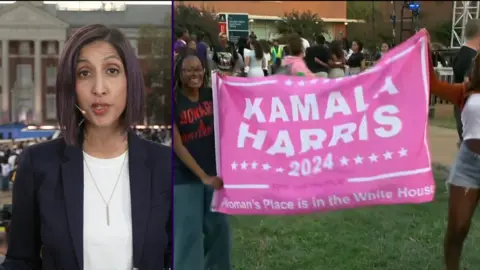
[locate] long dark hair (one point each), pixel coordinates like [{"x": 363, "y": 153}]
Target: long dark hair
[
  {"x": 241, "y": 44},
  {"x": 257, "y": 47},
  {"x": 336, "y": 48},
  {"x": 177, "y": 70}
]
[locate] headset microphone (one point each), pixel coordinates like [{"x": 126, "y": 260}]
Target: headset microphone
[{"x": 82, "y": 111}]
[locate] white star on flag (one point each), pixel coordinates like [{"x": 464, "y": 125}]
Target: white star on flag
[
  {"x": 344, "y": 161},
  {"x": 314, "y": 81},
  {"x": 326, "y": 81},
  {"x": 402, "y": 152},
  {"x": 301, "y": 83},
  {"x": 266, "y": 167},
  {"x": 387, "y": 155},
  {"x": 244, "y": 165},
  {"x": 254, "y": 165},
  {"x": 373, "y": 158},
  {"x": 358, "y": 159},
  {"x": 279, "y": 170},
  {"x": 288, "y": 82},
  {"x": 234, "y": 165}
]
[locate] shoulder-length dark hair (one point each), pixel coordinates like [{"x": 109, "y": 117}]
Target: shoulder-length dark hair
[
  {"x": 359, "y": 44},
  {"x": 68, "y": 116}
]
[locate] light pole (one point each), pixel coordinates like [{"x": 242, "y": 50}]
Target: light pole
[
  {"x": 373, "y": 19},
  {"x": 393, "y": 17}
]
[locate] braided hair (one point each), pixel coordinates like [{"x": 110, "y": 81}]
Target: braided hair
[{"x": 177, "y": 69}]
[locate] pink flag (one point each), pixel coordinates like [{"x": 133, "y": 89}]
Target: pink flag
[{"x": 296, "y": 145}]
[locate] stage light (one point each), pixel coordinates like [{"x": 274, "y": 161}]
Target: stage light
[{"x": 414, "y": 7}]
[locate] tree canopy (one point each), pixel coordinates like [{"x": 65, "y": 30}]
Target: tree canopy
[
  {"x": 308, "y": 24},
  {"x": 196, "y": 20},
  {"x": 158, "y": 75}
]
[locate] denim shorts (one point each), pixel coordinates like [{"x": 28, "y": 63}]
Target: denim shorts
[{"x": 466, "y": 170}]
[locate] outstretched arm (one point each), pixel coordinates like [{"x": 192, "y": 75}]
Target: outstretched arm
[{"x": 454, "y": 93}]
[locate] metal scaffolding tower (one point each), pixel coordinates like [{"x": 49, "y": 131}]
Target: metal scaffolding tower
[{"x": 462, "y": 12}]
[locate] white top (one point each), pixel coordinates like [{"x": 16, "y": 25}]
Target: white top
[
  {"x": 255, "y": 68},
  {"x": 267, "y": 57},
  {"x": 107, "y": 247},
  {"x": 6, "y": 169},
  {"x": 11, "y": 160},
  {"x": 305, "y": 44},
  {"x": 471, "y": 118}
]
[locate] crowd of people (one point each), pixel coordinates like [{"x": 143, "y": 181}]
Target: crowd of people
[
  {"x": 195, "y": 151},
  {"x": 9, "y": 152},
  {"x": 251, "y": 57},
  {"x": 201, "y": 236},
  {"x": 162, "y": 135}
]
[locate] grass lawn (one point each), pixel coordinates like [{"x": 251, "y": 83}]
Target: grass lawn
[
  {"x": 443, "y": 116},
  {"x": 404, "y": 237},
  {"x": 445, "y": 122}
]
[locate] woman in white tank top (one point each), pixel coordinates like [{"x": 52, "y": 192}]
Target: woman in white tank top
[
  {"x": 254, "y": 60},
  {"x": 464, "y": 179}
]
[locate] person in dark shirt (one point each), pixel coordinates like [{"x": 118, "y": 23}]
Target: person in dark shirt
[
  {"x": 225, "y": 55},
  {"x": 356, "y": 61},
  {"x": 462, "y": 63},
  {"x": 317, "y": 58},
  {"x": 202, "y": 238}
]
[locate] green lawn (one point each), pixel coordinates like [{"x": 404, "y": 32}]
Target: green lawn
[
  {"x": 443, "y": 116},
  {"x": 405, "y": 237},
  {"x": 445, "y": 122}
]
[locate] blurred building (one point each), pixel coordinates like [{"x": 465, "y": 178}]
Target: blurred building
[
  {"x": 263, "y": 14},
  {"x": 33, "y": 34}
]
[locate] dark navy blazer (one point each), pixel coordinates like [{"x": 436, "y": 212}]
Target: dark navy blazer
[{"x": 46, "y": 231}]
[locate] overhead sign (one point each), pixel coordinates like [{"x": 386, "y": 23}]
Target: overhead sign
[{"x": 235, "y": 25}]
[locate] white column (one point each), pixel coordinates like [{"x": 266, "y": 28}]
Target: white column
[
  {"x": 5, "y": 79},
  {"x": 61, "y": 45},
  {"x": 38, "y": 82}
]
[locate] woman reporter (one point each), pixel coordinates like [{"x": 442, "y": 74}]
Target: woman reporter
[
  {"x": 100, "y": 196},
  {"x": 202, "y": 238}
]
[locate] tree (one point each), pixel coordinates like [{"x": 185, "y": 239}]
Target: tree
[
  {"x": 158, "y": 75},
  {"x": 197, "y": 20},
  {"x": 442, "y": 32},
  {"x": 307, "y": 23},
  {"x": 373, "y": 30},
  {"x": 363, "y": 10}
]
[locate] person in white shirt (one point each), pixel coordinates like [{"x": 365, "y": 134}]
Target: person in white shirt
[
  {"x": 5, "y": 173},
  {"x": 254, "y": 60},
  {"x": 99, "y": 197},
  {"x": 305, "y": 42}
]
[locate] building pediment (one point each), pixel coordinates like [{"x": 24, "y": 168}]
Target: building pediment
[{"x": 23, "y": 14}]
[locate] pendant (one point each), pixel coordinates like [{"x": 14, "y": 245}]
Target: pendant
[{"x": 108, "y": 216}]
